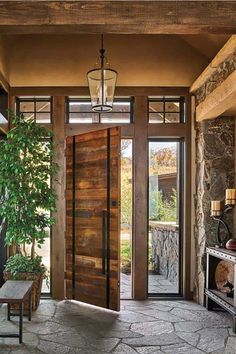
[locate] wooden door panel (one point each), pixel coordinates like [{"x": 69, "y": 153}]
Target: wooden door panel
[{"x": 92, "y": 203}]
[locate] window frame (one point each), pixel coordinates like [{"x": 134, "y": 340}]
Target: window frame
[
  {"x": 34, "y": 100},
  {"x": 163, "y": 99},
  {"x": 69, "y": 99}
]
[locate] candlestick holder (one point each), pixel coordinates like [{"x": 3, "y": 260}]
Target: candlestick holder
[
  {"x": 222, "y": 240},
  {"x": 218, "y": 213}
]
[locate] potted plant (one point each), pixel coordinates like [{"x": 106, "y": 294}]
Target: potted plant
[{"x": 26, "y": 198}]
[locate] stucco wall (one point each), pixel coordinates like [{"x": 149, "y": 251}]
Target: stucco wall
[{"x": 141, "y": 60}]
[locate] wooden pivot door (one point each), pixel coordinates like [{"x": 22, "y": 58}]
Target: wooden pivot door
[{"x": 93, "y": 218}]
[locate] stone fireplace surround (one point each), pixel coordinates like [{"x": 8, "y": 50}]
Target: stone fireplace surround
[{"x": 215, "y": 171}]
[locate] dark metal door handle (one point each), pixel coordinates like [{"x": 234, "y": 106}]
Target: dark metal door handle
[{"x": 104, "y": 240}]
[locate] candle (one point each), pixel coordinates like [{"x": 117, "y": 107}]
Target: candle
[
  {"x": 215, "y": 208},
  {"x": 230, "y": 196}
]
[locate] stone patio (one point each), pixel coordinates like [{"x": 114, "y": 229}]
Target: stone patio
[
  {"x": 157, "y": 285},
  {"x": 140, "y": 327}
]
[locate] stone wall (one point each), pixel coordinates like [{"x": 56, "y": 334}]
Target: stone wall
[
  {"x": 165, "y": 250},
  {"x": 216, "y": 78},
  {"x": 215, "y": 141}
]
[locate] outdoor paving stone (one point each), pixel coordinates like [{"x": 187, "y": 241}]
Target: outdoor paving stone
[
  {"x": 130, "y": 316},
  {"x": 53, "y": 348},
  {"x": 67, "y": 320},
  {"x": 106, "y": 344},
  {"x": 48, "y": 327},
  {"x": 141, "y": 327},
  {"x": 136, "y": 304},
  {"x": 161, "y": 306},
  {"x": 161, "y": 339},
  {"x": 189, "y": 305},
  {"x": 188, "y": 326},
  {"x": 206, "y": 317},
  {"x": 182, "y": 348},
  {"x": 86, "y": 351},
  {"x": 212, "y": 339},
  {"x": 190, "y": 338},
  {"x": 231, "y": 332},
  {"x": 231, "y": 345},
  {"x": 149, "y": 350},
  {"x": 46, "y": 308},
  {"x": 4, "y": 349},
  {"x": 24, "y": 350},
  {"x": 152, "y": 328},
  {"x": 9, "y": 327},
  {"x": 120, "y": 334},
  {"x": 124, "y": 348},
  {"x": 114, "y": 326},
  {"x": 221, "y": 351},
  {"x": 164, "y": 316},
  {"x": 71, "y": 339}
]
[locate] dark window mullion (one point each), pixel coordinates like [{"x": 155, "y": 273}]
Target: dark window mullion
[
  {"x": 35, "y": 109},
  {"x": 164, "y": 110}
]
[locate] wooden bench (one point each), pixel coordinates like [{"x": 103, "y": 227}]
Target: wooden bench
[{"x": 16, "y": 292}]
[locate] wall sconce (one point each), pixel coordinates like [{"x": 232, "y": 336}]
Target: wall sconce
[
  {"x": 230, "y": 196},
  {"x": 218, "y": 211}
]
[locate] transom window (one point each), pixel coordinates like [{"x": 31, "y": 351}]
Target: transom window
[
  {"x": 38, "y": 108},
  {"x": 166, "y": 109},
  {"x": 79, "y": 110}
]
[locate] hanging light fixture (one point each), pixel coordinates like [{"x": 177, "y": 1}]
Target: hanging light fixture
[{"x": 102, "y": 82}]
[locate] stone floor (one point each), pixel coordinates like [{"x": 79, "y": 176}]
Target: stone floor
[
  {"x": 157, "y": 285},
  {"x": 172, "y": 327}
]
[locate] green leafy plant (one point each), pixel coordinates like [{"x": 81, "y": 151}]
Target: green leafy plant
[
  {"x": 23, "y": 264},
  {"x": 126, "y": 256},
  {"x": 26, "y": 197},
  {"x": 160, "y": 209}
]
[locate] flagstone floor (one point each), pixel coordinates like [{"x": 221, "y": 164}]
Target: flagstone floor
[{"x": 172, "y": 327}]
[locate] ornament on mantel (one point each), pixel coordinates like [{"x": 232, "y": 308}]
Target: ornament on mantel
[{"x": 231, "y": 244}]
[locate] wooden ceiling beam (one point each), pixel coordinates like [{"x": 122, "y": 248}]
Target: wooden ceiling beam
[
  {"x": 218, "y": 101},
  {"x": 227, "y": 50},
  {"x": 127, "y": 17}
]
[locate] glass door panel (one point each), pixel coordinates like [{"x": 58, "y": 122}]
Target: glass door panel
[
  {"x": 126, "y": 219},
  {"x": 164, "y": 239}
]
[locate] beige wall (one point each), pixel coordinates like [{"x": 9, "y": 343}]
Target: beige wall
[{"x": 142, "y": 60}]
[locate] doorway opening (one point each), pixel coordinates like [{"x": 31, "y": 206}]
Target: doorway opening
[
  {"x": 126, "y": 218},
  {"x": 165, "y": 217}
]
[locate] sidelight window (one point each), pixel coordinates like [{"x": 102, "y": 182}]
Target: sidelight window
[{"x": 165, "y": 216}]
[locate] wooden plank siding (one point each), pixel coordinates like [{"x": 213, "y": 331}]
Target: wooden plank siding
[{"x": 139, "y": 131}]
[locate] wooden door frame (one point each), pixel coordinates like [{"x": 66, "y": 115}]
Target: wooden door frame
[{"x": 140, "y": 131}]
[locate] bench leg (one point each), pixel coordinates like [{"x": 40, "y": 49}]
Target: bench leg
[
  {"x": 209, "y": 303},
  {"x": 8, "y": 312},
  {"x": 234, "y": 323},
  {"x": 21, "y": 323},
  {"x": 30, "y": 306}
]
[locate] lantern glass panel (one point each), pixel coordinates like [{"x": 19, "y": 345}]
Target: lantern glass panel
[{"x": 102, "y": 84}]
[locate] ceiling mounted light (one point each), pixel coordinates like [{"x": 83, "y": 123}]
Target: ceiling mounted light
[{"x": 102, "y": 83}]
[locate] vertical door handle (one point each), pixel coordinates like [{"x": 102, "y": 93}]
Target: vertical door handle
[{"x": 104, "y": 240}]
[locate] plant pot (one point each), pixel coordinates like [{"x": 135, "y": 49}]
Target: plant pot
[{"x": 36, "y": 290}]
